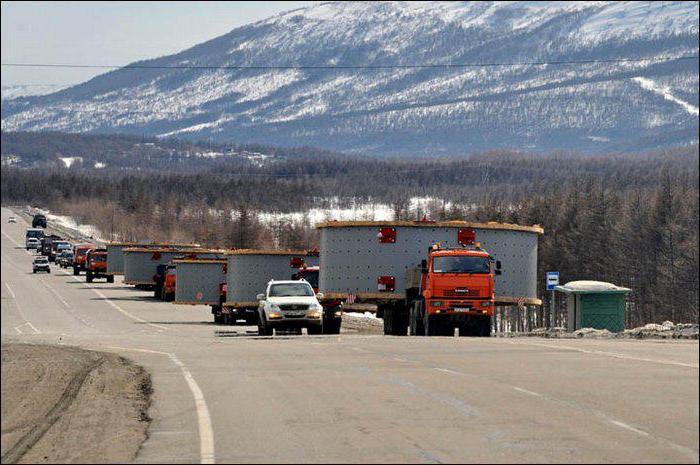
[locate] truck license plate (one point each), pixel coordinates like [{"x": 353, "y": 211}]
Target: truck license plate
[{"x": 461, "y": 309}]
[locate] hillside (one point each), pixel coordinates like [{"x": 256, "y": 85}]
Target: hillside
[{"x": 594, "y": 107}]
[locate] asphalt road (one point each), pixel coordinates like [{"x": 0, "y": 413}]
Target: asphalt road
[{"x": 221, "y": 394}]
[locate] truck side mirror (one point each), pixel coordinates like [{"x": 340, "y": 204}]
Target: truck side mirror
[
  {"x": 319, "y": 296},
  {"x": 497, "y": 272},
  {"x": 498, "y": 264},
  {"x": 261, "y": 297},
  {"x": 424, "y": 266}
]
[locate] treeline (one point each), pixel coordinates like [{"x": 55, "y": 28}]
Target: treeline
[{"x": 631, "y": 219}]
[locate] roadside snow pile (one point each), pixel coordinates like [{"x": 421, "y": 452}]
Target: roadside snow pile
[{"x": 665, "y": 330}]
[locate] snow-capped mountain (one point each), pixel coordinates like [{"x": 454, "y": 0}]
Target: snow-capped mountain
[{"x": 596, "y": 106}]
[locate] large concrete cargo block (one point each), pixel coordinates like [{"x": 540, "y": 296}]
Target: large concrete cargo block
[
  {"x": 249, "y": 271},
  {"x": 198, "y": 282},
  {"x": 115, "y": 252},
  {"x": 141, "y": 263},
  {"x": 354, "y": 256}
]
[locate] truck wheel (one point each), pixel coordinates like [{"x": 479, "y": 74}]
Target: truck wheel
[
  {"x": 388, "y": 314},
  {"x": 88, "y": 277},
  {"x": 76, "y": 271},
  {"x": 415, "y": 323},
  {"x": 110, "y": 279},
  {"x": 156, "y": 293},
  {"x": 485, "y": 327},
  {"x": 332, "y": 326},
  {"x": 314, "y": 330},
  {"x": 263, "y": 329},
  {"x": 432, "y": 325},
  {"x": 169, "y": 297}
]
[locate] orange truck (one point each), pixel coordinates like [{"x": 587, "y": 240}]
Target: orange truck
[
  {"x": 452, "y": 288},
  {"x": 96, "y": 266},
  {"x": 79, "y": 257}
]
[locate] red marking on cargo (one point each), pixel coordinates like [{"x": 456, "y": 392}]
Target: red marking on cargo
[
  {"x": 466, "y": 236},
  {"x": 155, "y": 256},
  {"x": 296, "y": 262},
  {"x": 198, "y": 296},
  {"x": 386, "y": 283},
  {"x": 386, "y": 235}
]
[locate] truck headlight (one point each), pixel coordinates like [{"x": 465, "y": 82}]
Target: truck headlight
[{"x": 436, "y": 303}]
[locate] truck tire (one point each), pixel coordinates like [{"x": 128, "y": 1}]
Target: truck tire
[
  {"x": 332, "y": 326},
  {"x": 484, "y": 327},
  {"x": 110, "y": 278},
  {"x": 88, "y": 277},
  {"x": 263, "y": 329},
  {"x": 388, "y": 314},
  {"x": 415, "y": 323},
  {"x": 432, "y": 326},
  {"x": 314, "y": 330},
  {"x": 76, "y": 271}
]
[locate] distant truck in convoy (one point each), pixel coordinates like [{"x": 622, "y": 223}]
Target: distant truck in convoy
[
  {"x": 33, "y": 233},
  {"x": 39, "y": 221},
  {"x": 47, "y": 244},
  {"x": 428, "y": 278},
  {"x": 55, "y": 245},
  {"x": 96, "y": 267},
  {"x": 80, "y": 257},
  {"x": 115, "y": 252}
]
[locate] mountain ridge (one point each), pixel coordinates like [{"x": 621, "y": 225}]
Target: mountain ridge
[{"x": 591, "y": 107}]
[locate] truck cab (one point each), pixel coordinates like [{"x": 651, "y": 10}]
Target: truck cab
[
  {"x": 97, "y": 265},
  {"x": 453, "y": 288},
  {"x": 39, "y": 221},
  {"x": 79, "y": 257}
]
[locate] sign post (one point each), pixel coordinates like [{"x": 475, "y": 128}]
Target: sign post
[{"x": 552, "y": 282}]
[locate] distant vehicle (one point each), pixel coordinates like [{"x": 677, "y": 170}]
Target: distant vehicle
[
  {"x": 39, "y": 221},
  {"x": 79, "y": 255},
  {"x": 289, "y": 305},
  {"x": 65, "y": 258},
  {"x": 56, "y": 247},
  {"x": 41, "y": 263},
  {"x": 47, "y": 243},
  {"x": 12, "y": 219},
  {"x": 33, "y": 233},
  {"x": 32, "y": 243},
  {"x": 97, "y": 266}
]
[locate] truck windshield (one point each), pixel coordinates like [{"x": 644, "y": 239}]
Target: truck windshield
[
  {"x": 311, "y": 277},
  {"x": 456, "y": 264},
  {"x": 36, "y": 233},
  {"x": 291, "y": 290}
]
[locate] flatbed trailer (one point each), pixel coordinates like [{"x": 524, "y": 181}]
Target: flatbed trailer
[
  {"x": 388, "y": 264},
  {"x": 201, "y": 282},
  {"x": 141, "y": 263},
  {"x": 249, "y": 271},
  {"x": 115, "y": 252}
]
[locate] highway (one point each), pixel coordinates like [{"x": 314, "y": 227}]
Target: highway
[{"x": 222, "y": 394}]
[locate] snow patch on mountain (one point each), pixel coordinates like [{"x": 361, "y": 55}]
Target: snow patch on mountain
[{"x": 665, "y": 92}]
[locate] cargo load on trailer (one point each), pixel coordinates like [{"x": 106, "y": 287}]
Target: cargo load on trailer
[
  {"x": 141, "y": 263},
  {"x": 248, "y": 273},
  {"x": 430, "y": 277},
  {"x": 115, "y": 252},
  {"x": 201, "y": 282}
]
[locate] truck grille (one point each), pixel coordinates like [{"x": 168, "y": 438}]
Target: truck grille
[
  {"x": 461, "y": 293},
  {"x": 293, "y": 307}
]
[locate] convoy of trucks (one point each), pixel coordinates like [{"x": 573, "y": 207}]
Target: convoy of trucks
[{"x": 425, "y": 278}]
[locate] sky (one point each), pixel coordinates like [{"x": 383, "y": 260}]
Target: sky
[{"x": 112, "y": 33}]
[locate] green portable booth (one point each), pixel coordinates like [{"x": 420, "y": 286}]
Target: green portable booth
[{"x": 594, "y": 304}]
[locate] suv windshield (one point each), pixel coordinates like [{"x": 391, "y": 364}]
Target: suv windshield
[
  {"x": 291, "y": 290},
  {"x": 456, "y": 264},
  {"x": 41, "y": 259}
]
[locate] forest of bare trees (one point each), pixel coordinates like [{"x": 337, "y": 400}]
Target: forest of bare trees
[{"x": 630, "y": 219}]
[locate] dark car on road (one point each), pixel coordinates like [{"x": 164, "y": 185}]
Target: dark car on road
[{"x": 39, "y": 221}]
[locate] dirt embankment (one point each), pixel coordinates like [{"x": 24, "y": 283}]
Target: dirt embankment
[{"x": 63, "y": 404}]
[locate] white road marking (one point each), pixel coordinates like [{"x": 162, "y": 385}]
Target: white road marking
[
  {"x": 628, "y": 427},
  {"x": 11, "y": 240},
  {"x": 398, "y": 359},
  {"x": 206, "y": 431},
  {"x": 611, "y": 354},
  {"x": 445, "y": 370},
  {"x": 54, "y": 292},
  {"x": 525, "y": 391},
  {"x": 26, "y": 323},
  {"x": 19, "y": 331},
  {"x": 118, "y": 308},
  {"x": 10, "y": 290}
]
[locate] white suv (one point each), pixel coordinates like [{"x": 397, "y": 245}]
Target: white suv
[{"x": 289, "y": 305}]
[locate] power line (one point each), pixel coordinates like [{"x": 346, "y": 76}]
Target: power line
[{"x": 331, "y": 67}]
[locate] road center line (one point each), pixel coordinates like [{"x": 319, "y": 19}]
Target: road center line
[
  {"x": 118, "y": 308},
  {"x": 11, "y": 240},
  {"x": 54, "y": 292},
  {"x": 206, "y": 431},
  {"x": 525, "y": 391}
]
